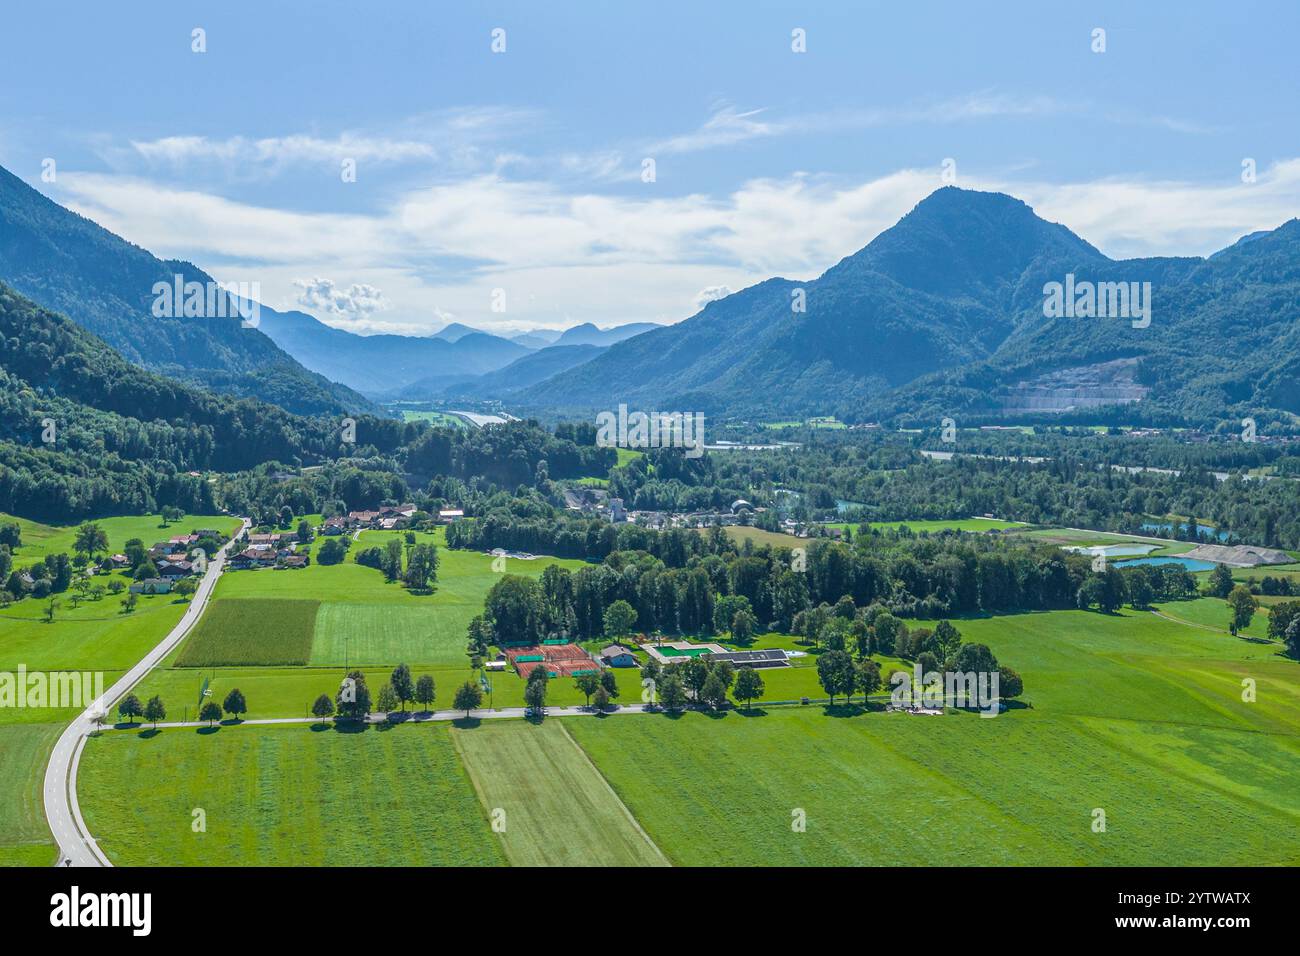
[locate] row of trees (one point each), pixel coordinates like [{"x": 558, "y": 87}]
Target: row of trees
[{"x": 129, "y": 709}]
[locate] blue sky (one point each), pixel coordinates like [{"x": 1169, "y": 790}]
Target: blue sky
[{"x": 522, "y": 171}]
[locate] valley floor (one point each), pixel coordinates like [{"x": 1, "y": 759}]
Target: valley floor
[{"x": 1137, "y": 719}]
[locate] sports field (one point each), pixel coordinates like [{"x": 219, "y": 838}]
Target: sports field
[
  {"x": 552, "y": 806},
  {"x": 284, "y": 796}
]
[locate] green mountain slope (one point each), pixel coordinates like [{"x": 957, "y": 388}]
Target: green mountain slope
[
  {"x": 943, "y": 315},
  {"x": 85, "y": 432},
  {"x": 105, "y": 284}
]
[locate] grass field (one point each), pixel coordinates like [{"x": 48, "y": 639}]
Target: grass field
[
  {"x": 285, "y": 796},
  {"x": 369, "y": 621},
  {"x": 234, "y": 632},
  {"x": 386, "y": 634},
  {"x": 42, "y": 539},
  {"x": 554, "y": 806},
  {"x": 24, "y": 836},
  {"x": 932, "y": 526},
  {"x": 1214, "y": 613},
  {"x": 760, "y": 537},
  {"x": 900, "y": 790},
  {"x": 96, "y": 636}
]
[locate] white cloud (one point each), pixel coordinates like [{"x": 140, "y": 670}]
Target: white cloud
[
  {"x": 572, "y": 256},
  {"x": 711, "y": 294},
  {"x": 357, "y": 303}
]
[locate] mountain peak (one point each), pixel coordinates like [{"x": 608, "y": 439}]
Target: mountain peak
[{"x": 965, "y": 239}]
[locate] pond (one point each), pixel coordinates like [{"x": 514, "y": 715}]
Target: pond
[
  {"x": 1202, "y": 530},
  {"x": 1191, "y": 564}
]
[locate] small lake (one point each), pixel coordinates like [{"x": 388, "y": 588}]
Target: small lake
[
  {"x": 1203, "y": 531},
  {"x": 1191, "y": 564}
]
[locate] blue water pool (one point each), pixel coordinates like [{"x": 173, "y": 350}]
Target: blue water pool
[{"x": 1191, "y": 564}]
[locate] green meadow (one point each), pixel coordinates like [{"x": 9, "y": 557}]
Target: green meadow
[
  {"x": 552, "y": 805},
  {"x": 42, "y": 539},
  {"x": 935, "y": 525},
  {"x": 284, "y": 796},
  {"x": 97, "y": 636}
]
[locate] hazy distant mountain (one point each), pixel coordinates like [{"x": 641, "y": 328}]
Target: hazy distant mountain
[
  {"x": 943, "y": 314},
  {"x": 384, "y": 364},
  {"x": 536, "y": 338},
  {"x": 589, "y": 334},
  {"x": 518, "y": 374},
  {"x": 70, "y": 265},
  {"x": 455, "y": 331}
]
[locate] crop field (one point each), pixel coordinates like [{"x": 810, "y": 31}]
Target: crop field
[
  {"x": 234, "y": 632},
  {"x": 284, "y": 796},
  {"x": 24, "y": 836},
  {"x": 899, "y": 790},
  {"x": 386, "y": 633},
  {"x": 555, "y": 807}
]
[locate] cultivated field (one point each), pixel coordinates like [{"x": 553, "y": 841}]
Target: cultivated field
[
  {"x": 554, "y": 807},
  {"x": 235, "y": 632},
  {"x": 284, "y": 796}
]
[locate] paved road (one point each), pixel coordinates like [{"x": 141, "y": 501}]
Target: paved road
[
  {"x": 76, "y": 846},
  {"x": 411, "y": 717}
]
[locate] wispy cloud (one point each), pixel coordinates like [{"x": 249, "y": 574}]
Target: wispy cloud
[
  {"x": 590, "y": 256},
  {"x": 727, "y": 126}
]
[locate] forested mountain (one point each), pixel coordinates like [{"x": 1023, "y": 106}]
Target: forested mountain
[
  {"x": 943, "y": 315},
  {"x": 938, "y": 290},
  {"x": 105, "y": 284},
  {"x": 518, "y": 374},
  {"x": 84, "y": 432}
]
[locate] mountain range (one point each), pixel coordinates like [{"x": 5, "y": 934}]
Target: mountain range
[
  {"x": 943, "y": 315},
  {"x": 69, "y": 264}
]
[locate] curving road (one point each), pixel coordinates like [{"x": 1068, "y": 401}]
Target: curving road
[{"x": 76, "y": 846}]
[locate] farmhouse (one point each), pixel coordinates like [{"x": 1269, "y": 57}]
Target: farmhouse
[
  {"x": 173, "y": 570},
  {"x": 151, "y": 586},
  {"x": 615, "y": 655},
  {"x": 252, "y": 558},
  {"x": 448, "y": 515}
]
